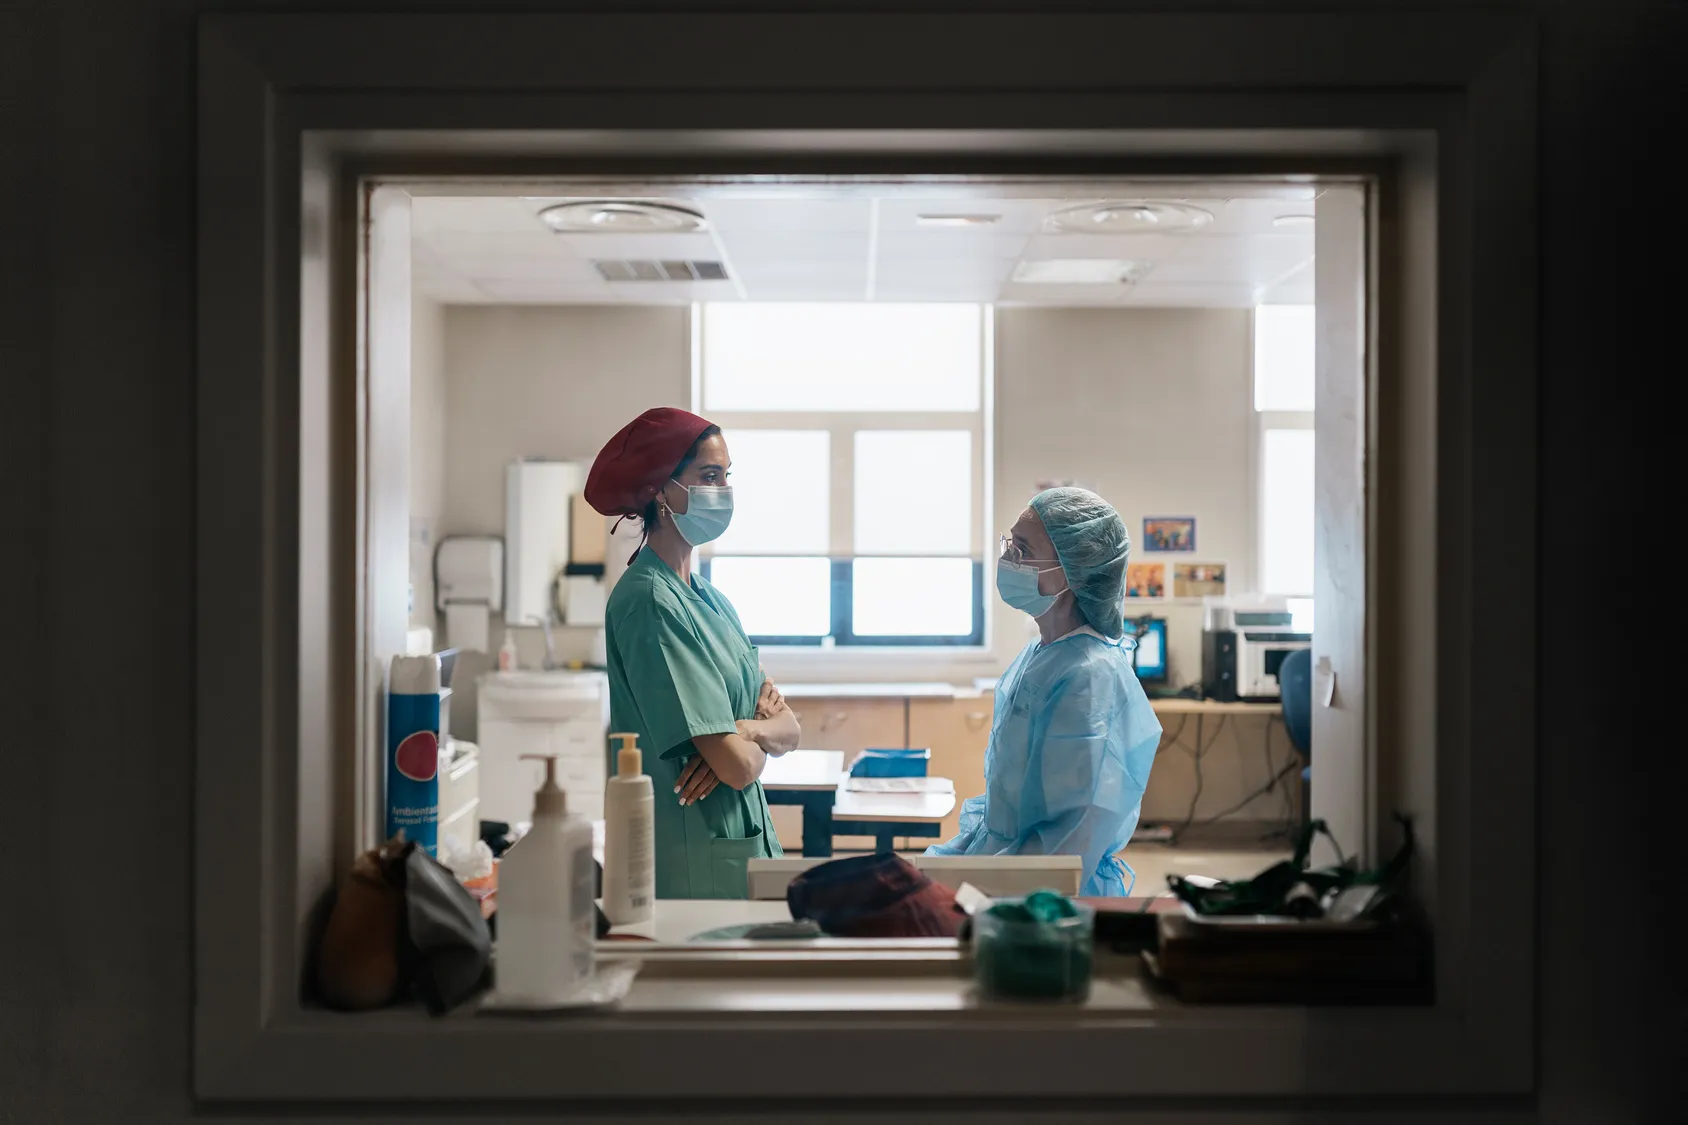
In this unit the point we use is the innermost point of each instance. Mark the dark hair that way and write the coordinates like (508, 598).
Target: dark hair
(650, 512)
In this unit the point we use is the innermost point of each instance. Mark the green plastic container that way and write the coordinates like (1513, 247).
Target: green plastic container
(1034, 948)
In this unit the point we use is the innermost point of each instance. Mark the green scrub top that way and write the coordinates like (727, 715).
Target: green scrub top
(681, 665)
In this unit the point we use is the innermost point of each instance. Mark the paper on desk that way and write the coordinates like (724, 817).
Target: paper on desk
(900, 785)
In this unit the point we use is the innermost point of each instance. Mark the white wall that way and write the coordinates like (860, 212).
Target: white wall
(1149, 407)
(427, 451)
(1152, 408)
(547, 381)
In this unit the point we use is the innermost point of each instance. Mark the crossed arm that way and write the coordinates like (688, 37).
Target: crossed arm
(737, 759)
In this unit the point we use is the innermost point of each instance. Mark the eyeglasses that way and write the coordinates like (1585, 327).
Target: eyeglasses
(1010, 551)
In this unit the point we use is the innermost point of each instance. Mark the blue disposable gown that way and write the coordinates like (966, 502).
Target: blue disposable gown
(1069, 756)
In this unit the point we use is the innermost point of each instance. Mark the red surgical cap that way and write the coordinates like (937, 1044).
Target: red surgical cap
(634, 464)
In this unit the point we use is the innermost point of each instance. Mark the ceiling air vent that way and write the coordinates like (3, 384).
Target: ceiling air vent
(660, 271)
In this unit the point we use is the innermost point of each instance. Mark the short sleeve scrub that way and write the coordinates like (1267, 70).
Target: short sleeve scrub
(680, 665)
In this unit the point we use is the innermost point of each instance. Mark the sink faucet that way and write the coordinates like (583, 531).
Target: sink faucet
(550, 647)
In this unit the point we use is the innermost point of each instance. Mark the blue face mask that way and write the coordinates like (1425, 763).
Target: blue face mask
(709, 509)
(1017, 584)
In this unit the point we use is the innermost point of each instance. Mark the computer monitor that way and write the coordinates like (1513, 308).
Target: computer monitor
(1149, 657)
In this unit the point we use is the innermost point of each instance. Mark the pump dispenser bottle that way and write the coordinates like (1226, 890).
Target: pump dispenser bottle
(546, 922)
(629, 838)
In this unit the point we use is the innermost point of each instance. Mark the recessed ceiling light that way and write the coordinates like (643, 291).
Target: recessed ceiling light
(1079, 271)
(1293, 221)
(622, 216)
(1140, 216)
(955, 220)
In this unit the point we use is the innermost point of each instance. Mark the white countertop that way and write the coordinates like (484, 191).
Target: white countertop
(680, 919)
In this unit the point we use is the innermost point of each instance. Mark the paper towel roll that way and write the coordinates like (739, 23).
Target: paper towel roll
(466, 626)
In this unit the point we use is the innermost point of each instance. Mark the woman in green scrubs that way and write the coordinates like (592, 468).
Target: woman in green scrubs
(683, 674)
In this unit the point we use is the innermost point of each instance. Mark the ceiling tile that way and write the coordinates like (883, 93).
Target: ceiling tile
(539, 291)
(670, 292)
(838, 216)
(446, 289)
(1284, 248)
(962, 244)
(1132, 247)
(640, 247)
(1019, 217)
(939, 271)
(453, 247)
(745, 246)
(1148, 294)
(1255, 271)
(509, 268)
(472, 215)
(1063, 295)
(1254, 216)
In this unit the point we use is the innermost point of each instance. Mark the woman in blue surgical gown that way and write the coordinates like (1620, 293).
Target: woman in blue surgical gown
(1074, 735)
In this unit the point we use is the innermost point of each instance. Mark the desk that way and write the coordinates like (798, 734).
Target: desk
(885, 816)
(810, 780)
(1175, 714)
(1204, 709)
(815, 780)
(1200, 707)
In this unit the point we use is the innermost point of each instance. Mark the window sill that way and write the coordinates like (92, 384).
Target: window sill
(795, 1014)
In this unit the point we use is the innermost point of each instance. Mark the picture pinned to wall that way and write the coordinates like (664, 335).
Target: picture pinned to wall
(1198, 580)
(1169, 533)
(1145, 580)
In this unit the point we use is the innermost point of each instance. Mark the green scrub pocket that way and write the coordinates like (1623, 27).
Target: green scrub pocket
(728, 860)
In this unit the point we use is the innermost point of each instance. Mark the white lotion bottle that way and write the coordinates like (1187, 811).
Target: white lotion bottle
(629, 838)
(546, 923)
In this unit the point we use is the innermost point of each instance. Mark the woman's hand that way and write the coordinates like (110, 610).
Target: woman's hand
(697, 781)
(776, 735)
(769, 701)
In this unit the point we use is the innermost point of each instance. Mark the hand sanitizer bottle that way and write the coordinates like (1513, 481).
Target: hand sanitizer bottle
(546, 922)
(629, 839)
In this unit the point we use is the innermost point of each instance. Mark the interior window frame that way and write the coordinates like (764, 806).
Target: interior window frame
(297, 111)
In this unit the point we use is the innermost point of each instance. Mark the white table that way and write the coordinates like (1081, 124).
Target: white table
(816, 779)
(808, 779)
(804, 771)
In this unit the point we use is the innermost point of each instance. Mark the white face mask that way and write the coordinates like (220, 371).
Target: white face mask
(709, 509)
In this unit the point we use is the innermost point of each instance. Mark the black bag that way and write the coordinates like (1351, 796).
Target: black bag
(1289, 889)
(445, 946)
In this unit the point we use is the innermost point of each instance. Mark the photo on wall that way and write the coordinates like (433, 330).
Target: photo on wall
(1198, 580)
(1169, 533)
(1145, 580)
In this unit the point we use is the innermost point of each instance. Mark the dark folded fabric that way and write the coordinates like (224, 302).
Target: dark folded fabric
(880, 895)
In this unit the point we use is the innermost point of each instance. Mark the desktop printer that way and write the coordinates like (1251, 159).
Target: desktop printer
(1244, 642)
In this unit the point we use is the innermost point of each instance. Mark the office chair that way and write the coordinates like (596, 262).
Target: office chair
(1295, 687)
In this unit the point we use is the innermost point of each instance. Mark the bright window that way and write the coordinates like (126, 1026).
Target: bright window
(1283, 358)
(782, 481)
(913, 597)
(1286, 511)
(783, 597)
(857, 439)
(893, 467)
(773, 358)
